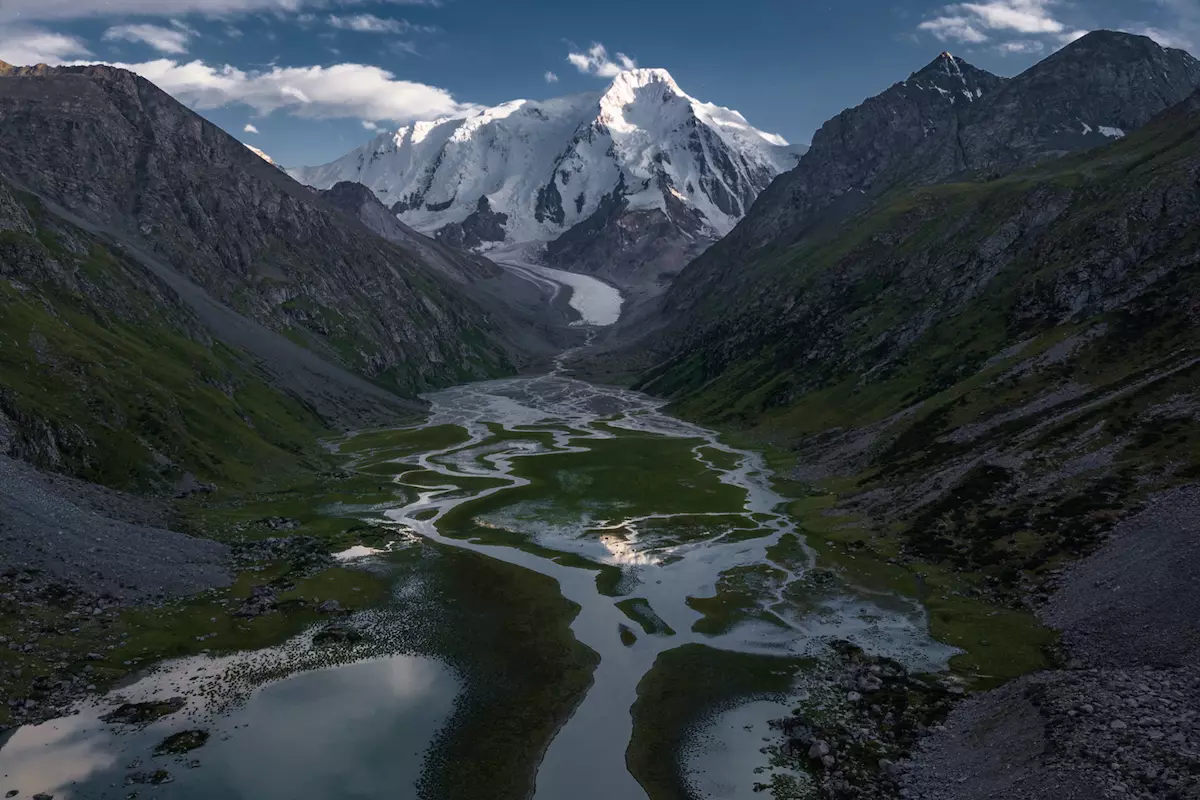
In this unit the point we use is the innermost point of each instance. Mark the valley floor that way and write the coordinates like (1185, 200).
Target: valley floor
(547, 574)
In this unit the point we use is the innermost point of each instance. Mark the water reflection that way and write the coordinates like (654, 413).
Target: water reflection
(353, 731)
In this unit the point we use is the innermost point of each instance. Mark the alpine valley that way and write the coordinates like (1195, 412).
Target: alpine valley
(606, 446)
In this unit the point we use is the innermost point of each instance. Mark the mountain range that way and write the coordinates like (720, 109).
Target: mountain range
(627, 183)
(962, 327)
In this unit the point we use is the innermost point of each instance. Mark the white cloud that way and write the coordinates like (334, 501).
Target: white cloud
(343, 90)
(1179, 25)
(974, 23)
(76, 9)
(369, 23)
(550, 77)
(596, 62)
(958, 29)
(173, 40)
(1023, 16)
(371, 126)
(28, 46)
(249, 128)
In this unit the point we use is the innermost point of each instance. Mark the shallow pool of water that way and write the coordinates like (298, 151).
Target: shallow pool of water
(353, 731)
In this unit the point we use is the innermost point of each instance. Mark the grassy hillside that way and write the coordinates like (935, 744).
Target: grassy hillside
(983, 373)
(105, 375)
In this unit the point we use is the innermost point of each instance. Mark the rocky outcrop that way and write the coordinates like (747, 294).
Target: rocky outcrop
(361, 203)
(481, 225)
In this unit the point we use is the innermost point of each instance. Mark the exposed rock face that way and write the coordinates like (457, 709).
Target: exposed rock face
(1101, 87)
(361, 203)
(951, 120)
(482, 225)
(909, 133)
(124, 156)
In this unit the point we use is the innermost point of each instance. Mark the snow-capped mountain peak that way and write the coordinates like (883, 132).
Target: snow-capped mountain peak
(573, 167)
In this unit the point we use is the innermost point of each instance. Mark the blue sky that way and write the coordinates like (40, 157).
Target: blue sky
(312, 76)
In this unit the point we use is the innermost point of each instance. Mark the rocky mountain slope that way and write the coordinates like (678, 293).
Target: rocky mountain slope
(182, 312)
(962, 341)
(123, 156)
(626, 183)
(360, 203)
(992, 374)
(952, 119)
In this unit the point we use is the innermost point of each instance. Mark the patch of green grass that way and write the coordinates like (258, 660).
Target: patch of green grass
(999, 642)
(508, 629)
(132, 639)
(739, 597)
(685, 529)
(343, 509)
(467, 483)
(680, 691)
(719, 458)
(638, 610)
(635, 474)
(138, 405)
(399, 442)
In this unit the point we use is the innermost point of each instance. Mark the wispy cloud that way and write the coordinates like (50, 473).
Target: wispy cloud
(27, 46)
(550, 77)
(958, 29)
(597, 62)
(173, 40)
(1173, 38)
(974, 23)
(371, 126)
(1067, 37)
(1021, 47)
(1179, 27)
(369, 23)
(249, 128)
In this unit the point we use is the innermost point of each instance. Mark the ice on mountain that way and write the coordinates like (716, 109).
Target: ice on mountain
(548, 165)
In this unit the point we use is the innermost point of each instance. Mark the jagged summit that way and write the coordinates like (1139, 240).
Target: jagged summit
(954, 119)
(954, 78)
(531, 172)
(642, 76)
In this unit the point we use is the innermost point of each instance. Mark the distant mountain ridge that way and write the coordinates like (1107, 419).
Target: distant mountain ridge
(952, 118)
(591, 175)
